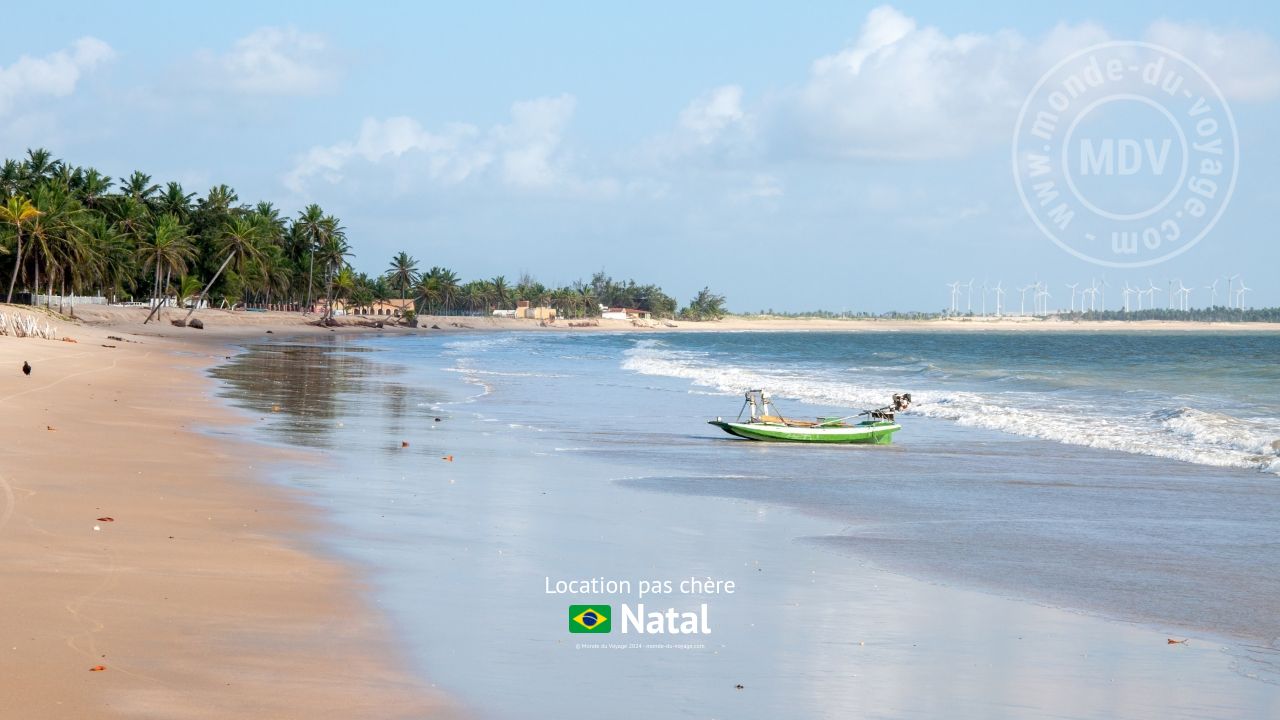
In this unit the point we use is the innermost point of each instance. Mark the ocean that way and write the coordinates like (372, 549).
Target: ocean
(1131, 479)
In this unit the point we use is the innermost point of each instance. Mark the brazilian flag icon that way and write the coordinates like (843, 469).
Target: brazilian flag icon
(589, 618)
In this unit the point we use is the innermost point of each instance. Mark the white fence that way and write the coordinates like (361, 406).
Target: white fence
(56, 300)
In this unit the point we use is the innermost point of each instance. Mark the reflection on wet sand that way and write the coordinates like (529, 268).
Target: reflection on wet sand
(307, 387)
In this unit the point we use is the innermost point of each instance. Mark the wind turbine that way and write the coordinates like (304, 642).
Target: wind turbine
(1128, 292)
(1240, 294)
(1022, 303)
(1230, 280)
(1103, 290)
(984, 297)
(1213, 291)
(1042, 294)
(955, 291)
(1184, 296)
(1151, 294)
(968, 310)
(999, 298)
(1073, 287)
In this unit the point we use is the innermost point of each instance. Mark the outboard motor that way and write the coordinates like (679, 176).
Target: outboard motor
(901, 402)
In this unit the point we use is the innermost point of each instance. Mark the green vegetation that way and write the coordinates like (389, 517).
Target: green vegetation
(440, 291)
(1212, 314)
(705, 306)
(73, 230)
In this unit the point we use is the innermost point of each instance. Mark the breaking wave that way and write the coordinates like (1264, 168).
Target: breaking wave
(1178, 433)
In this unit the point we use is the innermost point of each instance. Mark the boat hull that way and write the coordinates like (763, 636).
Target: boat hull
(878, 434)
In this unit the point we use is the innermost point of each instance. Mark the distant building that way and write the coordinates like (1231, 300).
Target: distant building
(394, 307)
(525, 310)
(623, 313)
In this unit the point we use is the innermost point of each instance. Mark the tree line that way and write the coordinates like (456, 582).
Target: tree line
(69, 229)
(66, 229)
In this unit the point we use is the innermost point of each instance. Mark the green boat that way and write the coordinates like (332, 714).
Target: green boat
(766, 423)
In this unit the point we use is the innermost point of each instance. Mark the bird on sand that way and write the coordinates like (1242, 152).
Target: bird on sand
(26, 368)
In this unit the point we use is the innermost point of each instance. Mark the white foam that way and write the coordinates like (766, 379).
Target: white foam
(1181, 433)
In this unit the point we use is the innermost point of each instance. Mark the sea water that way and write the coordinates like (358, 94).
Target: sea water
(1130, 476)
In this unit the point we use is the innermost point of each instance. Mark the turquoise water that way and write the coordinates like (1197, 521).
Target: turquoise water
(1129, 476)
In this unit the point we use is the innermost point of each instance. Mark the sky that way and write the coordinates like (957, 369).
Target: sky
(840, 156)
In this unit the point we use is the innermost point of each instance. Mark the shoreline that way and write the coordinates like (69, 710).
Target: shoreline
(252, 617)
(147, 546)
(243, 323)
(812, 631)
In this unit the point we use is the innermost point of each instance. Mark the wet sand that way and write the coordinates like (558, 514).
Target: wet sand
(206, 597)
(140, 539)
(538, 494)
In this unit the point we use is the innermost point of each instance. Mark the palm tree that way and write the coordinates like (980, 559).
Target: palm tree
(10, 178)
(449, 286)
(311, 222)
(344, 285)
(92, 188)
(240, 244)
(501, 293)
(115, 255)
(167, 249)
(175, 201)
(38, 167)
(188, 286)
(139, 187)
(17, 211)
(426, 293)
(332, 256)
(446, 285)
(403, 273)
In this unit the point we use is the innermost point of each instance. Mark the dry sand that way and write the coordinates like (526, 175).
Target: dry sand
(200, 597)
(223, 322)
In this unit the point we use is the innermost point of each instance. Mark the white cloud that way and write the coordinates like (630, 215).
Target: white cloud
(530, 142)
(907, 91)
(1244, 64)
(525, 153)
(760, 186)
(708, 116)
(275, 61)
(54, 75)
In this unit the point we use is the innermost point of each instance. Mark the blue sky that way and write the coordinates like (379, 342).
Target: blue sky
(725, 144)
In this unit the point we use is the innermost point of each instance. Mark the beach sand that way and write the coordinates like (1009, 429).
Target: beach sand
(204, 597)
(199, 595)
(223, 322)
